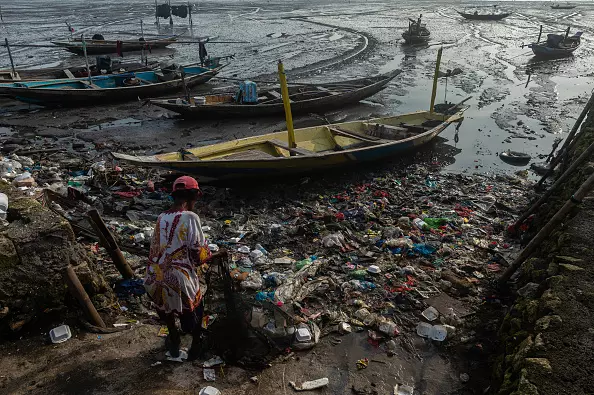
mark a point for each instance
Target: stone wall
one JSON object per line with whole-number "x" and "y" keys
{"x": 36, "y": 246}
{"x": 548, "y": 335}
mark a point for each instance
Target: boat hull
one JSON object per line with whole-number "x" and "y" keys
{"x": 71, "y": 94}
{"x": 298, "y": 107}
{"x": 412, "y": 39}
{"x": 484, "y": 17}
{"x": 100, "y": 47}
{"x": 542, "y": 51}
{"x": 226, "y": 170}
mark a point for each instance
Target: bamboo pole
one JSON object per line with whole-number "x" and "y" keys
{"x": 585, "y": 155}
{"x": 84, "y": 46}
{"x": 575, "y": 199}
{"x": 287, "y": 103}
{"x": 109, "y": 243}
{"x": 569, "y": 141}
{"x": 435, "y": 76}
{"x": 10, "y": 57}
{"x": 78, "y": 291}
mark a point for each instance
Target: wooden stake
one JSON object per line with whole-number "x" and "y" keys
{"x": 78, "y": 291}
{"x": 287, "y": 104}
{"x": 539, "y": 34}
{"x": 585, "y": 155}
{"x": 10, "y": 57}
{"x": 435, "y": 76}
{"x": 576, "y": 199}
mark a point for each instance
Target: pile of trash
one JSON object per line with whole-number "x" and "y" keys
{"x": 335, "y": 256}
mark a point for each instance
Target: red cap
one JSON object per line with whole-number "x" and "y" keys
{"x": 185, "y": 183}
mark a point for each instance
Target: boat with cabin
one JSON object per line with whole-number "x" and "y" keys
{"x": 417, "y": 32}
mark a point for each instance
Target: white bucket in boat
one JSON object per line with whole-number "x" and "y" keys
{"x": 199, "y": 100}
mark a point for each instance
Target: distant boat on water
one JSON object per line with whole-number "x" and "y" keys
{"x": 495, "y": 15}
{"x": 417, "y": 32}
{"x": 565, "y": 6}
{"x": 556, "y": 45}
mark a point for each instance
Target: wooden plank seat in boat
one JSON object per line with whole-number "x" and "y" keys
{"x": 284, "y": 145}
{"x": 357, "y": 136}
{"x": 389, "y": 132}
{"x": 252, "y": 154}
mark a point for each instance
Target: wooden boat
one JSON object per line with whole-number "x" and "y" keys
{"x": 566, "y": 6}
{"x": 515, "y": 158}
{"x": 108, "y": 88}
{"x": 97, "y": 47}
{"x": 117, "y": 67}
{"x": 557, "y": 45}
{"x": 318, "y": 148}
{"x": 484, "y": 17}
{"x": 417, "y": 32}
{"x": 304, "y": 99}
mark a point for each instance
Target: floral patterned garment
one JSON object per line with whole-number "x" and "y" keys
{"x": 178, "y": 247}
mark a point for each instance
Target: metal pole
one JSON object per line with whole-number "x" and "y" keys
{"x": 78, "y": 291}
{"x": 575, "y": 199}
{"x": 434, "y": 92}
{"x": 287, "y": 104}
{"x": 10, "y": 57}
{"x": 108, "y": 242}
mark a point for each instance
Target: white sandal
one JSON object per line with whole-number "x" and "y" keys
{"x": 183, "y": 355}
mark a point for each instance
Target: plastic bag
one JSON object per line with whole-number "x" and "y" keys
{"x": 334, "y": 240}
{"x": 253, "y": 281}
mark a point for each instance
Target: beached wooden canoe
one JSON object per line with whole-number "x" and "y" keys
{"x": 484, "y": 17}
{"x": 98, "y": 47}
{"x": 304, "y": 99}
{"x": 107, "y": 88}
{"x": 318, "y": 148}
{"x": 77, "y": 71}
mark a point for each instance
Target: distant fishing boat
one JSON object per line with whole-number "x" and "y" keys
{"x": 318, "y": 148}
{"x": 304, "y": 99}
{"x": 565, "y": 6}
{"x": 98, "y": 46}
{"x": 492, "y": 16}
{"x": 109, "y": 88}
{"x": 417, "y": 32}
{"x": 556, "y": 45}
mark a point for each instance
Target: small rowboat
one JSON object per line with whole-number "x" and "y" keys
{"x": 484, "y": 17}
{"x": 98, "y": 47}
{"x": 563, "y": 6}
{"x": 515, "y": 158}
{"x": 317, "y": 148}
{"x": 557, "y": 46}
{"x": 304, "y": 99}
{"x": 417, "y": 32}
{"x": 108, "y": 88}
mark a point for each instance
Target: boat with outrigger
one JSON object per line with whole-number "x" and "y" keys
{"x": 307, "y": 150}
{"x": 556, "y": 45}
{"x": 417, "y": 32}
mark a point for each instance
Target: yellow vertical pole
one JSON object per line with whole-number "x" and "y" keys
{"x": 285, "y": 92}
{"x": 434, "y": 92}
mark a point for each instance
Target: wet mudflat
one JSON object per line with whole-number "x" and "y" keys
{"x": 322, "y": 42}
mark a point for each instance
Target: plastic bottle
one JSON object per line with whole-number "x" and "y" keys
{"x": 3, "y": 206}
{"x": 420, "y": 224}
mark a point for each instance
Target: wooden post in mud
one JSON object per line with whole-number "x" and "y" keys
{"x": 585, "y": 155}
{"x": 567, "y": 32}
{"x": 287, "y": 103}
{"x": 157, "y": 15}
{"x": 10, "y": 57}
{"x": 539, "y": 34}
{"x": 569, "y": 142}
{"x": 1, "y": 16}
{"x": 108, "y": 242}
{"x": 546, "y": 230}
{"x": 78, "y": 291}
{"x": 170, "y": 15}
{"x": 190, "y": 18}
{"x": 434, "y": 92}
